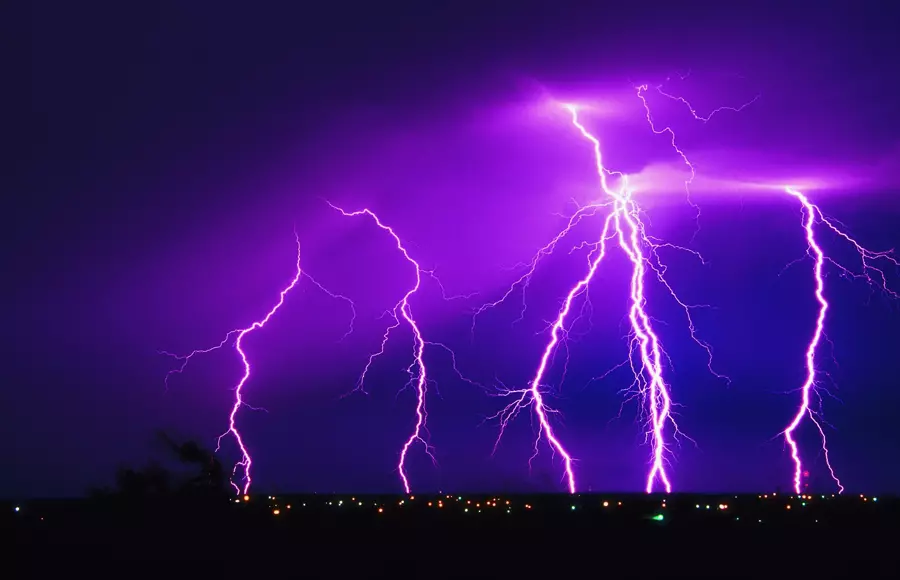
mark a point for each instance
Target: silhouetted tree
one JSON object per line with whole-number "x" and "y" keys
{"x": 156, "y": 481}
{"x": 211, "y": 477}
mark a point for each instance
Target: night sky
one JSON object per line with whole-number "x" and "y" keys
{"x": 176, "y": 146}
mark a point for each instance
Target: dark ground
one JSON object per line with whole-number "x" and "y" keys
{"x": 324, "y": 536}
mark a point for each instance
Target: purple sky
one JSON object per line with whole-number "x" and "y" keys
{"x": 175, "y": 150}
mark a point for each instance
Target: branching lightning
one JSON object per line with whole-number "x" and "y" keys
{"x": 417, "y": 370}
{"x": 236, "y": 337}
{"x": 623, "y": 226}
{"x": 813, "y": 216}
{"x": 623, "y": 223}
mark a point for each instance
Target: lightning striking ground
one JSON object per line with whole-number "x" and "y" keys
{"x": 623, "y": 223}
{"x": 417, "y": 370}
{"x": 237, "y": 335}
{"x": 813, "y": 216}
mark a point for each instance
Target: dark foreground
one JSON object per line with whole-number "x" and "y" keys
{"x": 452, "y": 536}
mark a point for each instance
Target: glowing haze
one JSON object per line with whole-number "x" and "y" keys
{"x": 623, "y": 223}
{"x": 666, "y": 250}
{"x": 620, "y": 220}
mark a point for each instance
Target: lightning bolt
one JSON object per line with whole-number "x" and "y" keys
{"x": 813, "y": 216}
{"x": 641, "y": 90}
{"x": 641, "y": 93}
{"x": 237, "y": 337}
{"x": 623, "y": 224}
{"x": 712, "y": 113}
{"x": 417, "y": 370}
{"x": 673, "y": 140}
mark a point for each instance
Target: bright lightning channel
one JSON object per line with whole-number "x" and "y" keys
{"x": 813, "y": 216}
{"x": 623, "y": 224}
{"x": 417, "y": 370}
{"x": 237, "y": 336}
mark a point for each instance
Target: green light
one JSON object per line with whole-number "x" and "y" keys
{"x": 874, "y": 499}
{"x": 573, "y": 507}
{"x": 658, "y": 518}
{"x": 803, "y": 504}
